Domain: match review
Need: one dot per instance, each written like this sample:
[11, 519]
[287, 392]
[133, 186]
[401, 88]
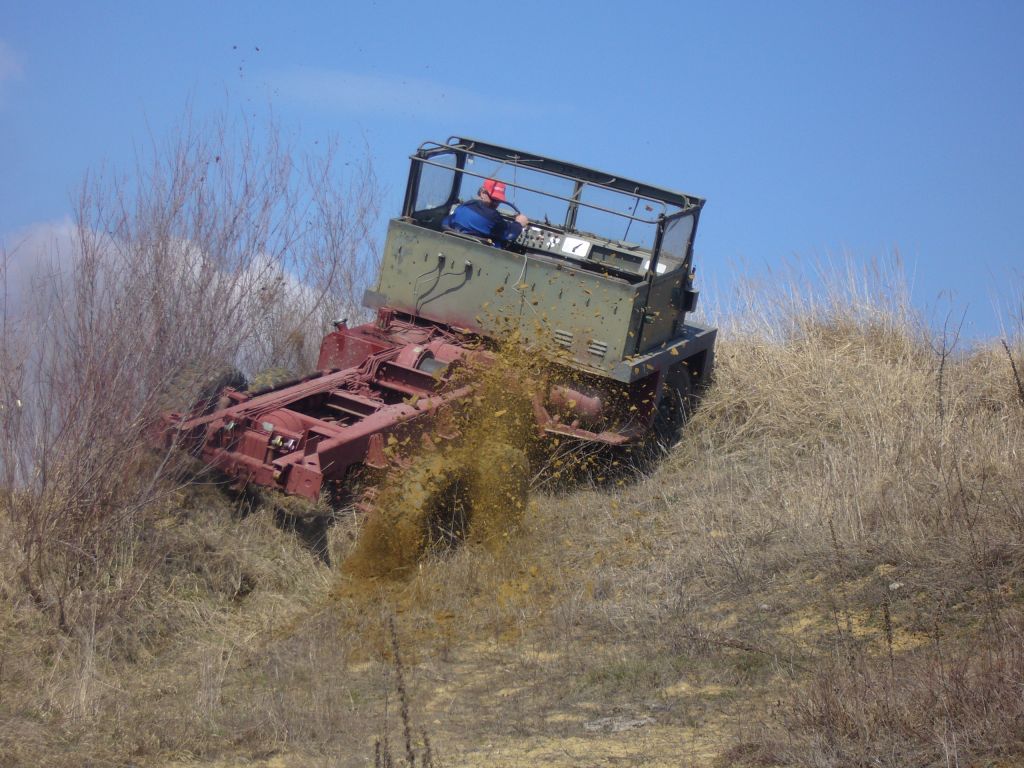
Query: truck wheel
[426, 504]
[672, 410]
[436, 508]
[271, 378]
[442, 500]
[500, 493]
[208, 399]
[668, 420]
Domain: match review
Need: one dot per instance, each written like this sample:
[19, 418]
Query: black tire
[668, 419]
[271, 378]
[442, 500]
[499, 494]
[208, 399]
[673, 407]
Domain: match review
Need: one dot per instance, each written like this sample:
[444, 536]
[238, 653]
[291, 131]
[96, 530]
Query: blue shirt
[476, 218]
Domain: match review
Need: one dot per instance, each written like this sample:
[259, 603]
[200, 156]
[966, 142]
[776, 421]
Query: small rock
[617, 724]
[657, 706]
[895, 585]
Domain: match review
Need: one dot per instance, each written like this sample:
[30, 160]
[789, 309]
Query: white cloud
[33, 258]
[391, 95]
[39, 268]
[11, 66]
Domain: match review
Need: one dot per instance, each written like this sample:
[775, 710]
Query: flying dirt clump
[472, 487]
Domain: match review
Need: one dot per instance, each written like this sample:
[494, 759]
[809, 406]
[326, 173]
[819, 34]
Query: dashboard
[593, 252]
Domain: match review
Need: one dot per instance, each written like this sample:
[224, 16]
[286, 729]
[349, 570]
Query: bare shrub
[225, 248]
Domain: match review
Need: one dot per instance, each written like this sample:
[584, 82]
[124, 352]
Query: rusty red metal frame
[377, 385]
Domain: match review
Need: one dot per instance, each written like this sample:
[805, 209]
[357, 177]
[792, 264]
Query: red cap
[495, 189]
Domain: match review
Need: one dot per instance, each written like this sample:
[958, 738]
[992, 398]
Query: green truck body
[601, 280]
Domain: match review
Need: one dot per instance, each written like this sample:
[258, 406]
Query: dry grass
[841, 529]
[825, 571]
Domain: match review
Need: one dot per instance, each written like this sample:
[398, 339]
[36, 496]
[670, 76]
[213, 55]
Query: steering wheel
[519, 239]
[511, 205]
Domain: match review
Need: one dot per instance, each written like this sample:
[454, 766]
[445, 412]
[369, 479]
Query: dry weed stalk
[944, 346]
[1016, 373]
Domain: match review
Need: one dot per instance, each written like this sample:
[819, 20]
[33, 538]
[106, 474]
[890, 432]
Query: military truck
[599, 285]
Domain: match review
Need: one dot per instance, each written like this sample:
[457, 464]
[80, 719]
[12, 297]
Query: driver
[480, 217]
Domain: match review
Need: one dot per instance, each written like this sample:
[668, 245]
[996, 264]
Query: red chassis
[376, 384]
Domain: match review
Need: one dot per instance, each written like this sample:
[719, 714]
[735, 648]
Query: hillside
[824, 571]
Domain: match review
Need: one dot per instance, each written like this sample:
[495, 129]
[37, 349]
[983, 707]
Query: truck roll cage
[587, 201]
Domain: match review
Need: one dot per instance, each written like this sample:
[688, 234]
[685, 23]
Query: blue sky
[812, 128]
